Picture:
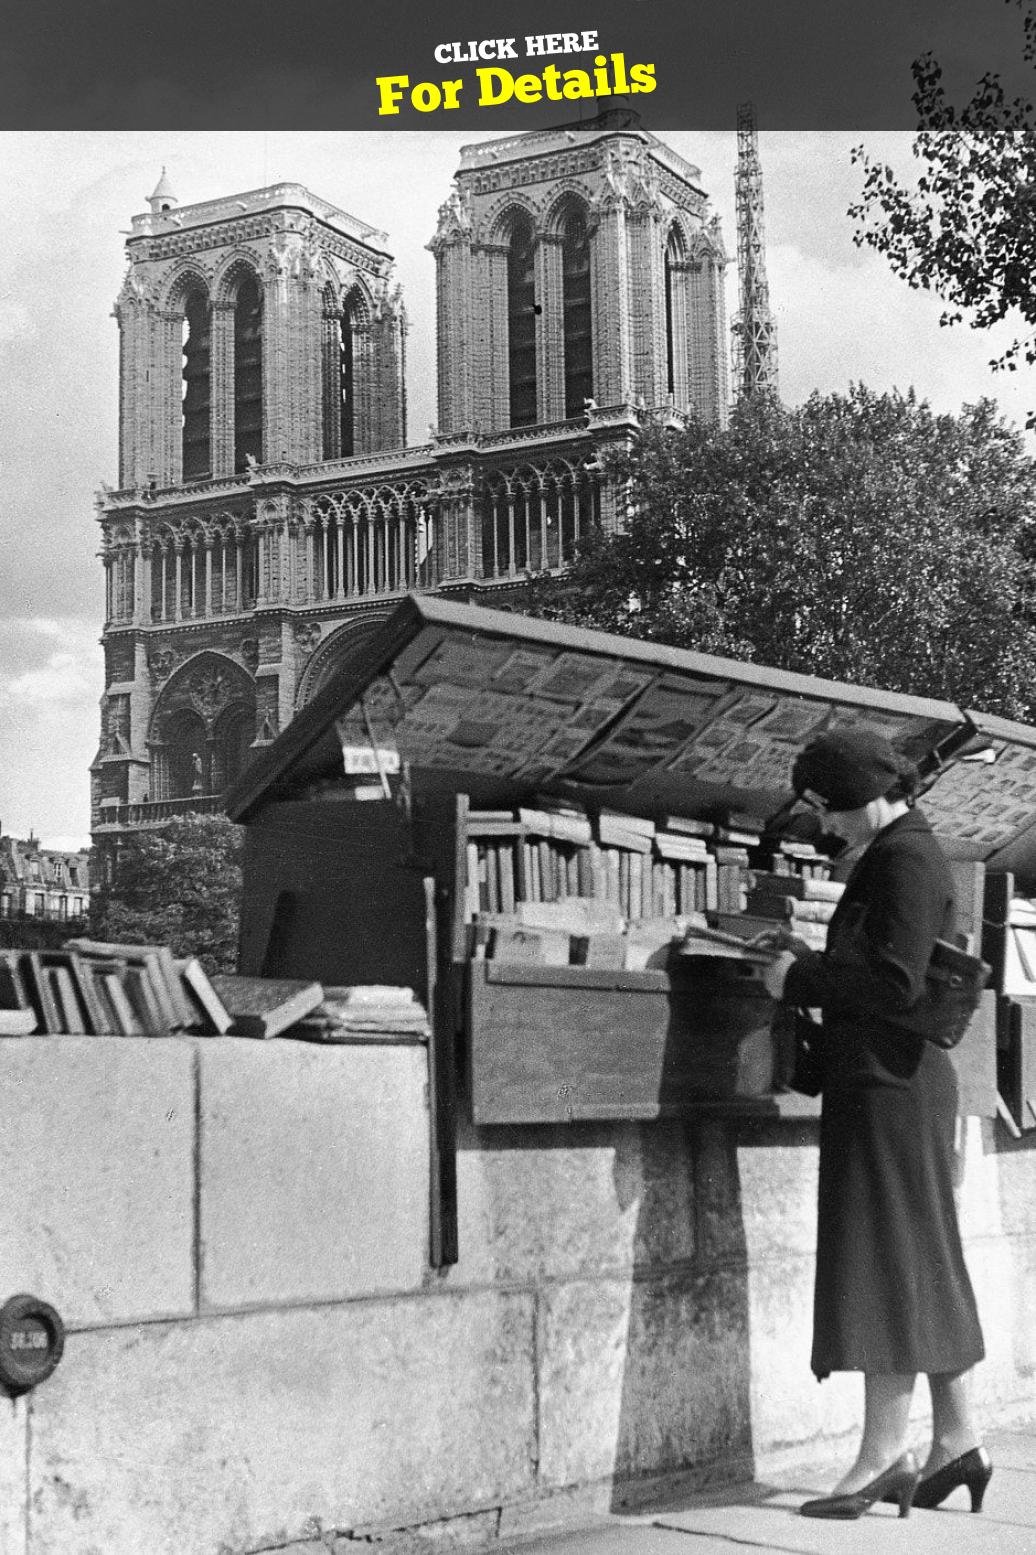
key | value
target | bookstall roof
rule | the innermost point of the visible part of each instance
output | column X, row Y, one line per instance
column 504, row 706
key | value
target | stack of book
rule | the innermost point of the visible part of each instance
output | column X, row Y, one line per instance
column 553, row 852
column 364, row 1014
column 265, row 1006
column 95, row 988
column 790, row 857
column 626, row 848
column 804, row 905
column 657, row 877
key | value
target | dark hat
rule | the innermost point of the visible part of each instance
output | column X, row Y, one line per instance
column 847, row 769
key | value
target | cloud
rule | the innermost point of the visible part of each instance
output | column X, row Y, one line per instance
column 51, row 676
column 61, row 679
column 840, row 322
column 47, row 662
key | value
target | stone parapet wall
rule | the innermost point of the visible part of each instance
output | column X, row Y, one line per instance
column 259, row 1357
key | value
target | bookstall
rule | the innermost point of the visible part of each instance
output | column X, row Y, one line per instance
column 565, row 842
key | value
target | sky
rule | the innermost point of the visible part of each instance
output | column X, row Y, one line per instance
column 65, row 203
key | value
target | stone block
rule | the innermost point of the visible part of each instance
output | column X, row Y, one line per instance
column 97, row 1151
column 556, row 1202
column 240, row 1432
column 14, row 1451
column 1003, row 1272
column 1003, row 1172
column 314, row 1171
column 983, row 1187
column 788, row 1406
column 721, row 1232
column 642, row 1377
column 778, row 1193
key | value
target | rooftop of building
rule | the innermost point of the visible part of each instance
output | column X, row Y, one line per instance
column 53, row 866
column 483, row 155
column 252, row 202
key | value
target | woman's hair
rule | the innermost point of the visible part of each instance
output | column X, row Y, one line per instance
column 847, row 768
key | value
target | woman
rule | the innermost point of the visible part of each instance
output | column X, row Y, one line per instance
column 892, row 1296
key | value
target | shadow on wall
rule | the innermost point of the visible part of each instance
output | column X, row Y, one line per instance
column 719, row 1304
column 718, row 1338
column 670, row 1262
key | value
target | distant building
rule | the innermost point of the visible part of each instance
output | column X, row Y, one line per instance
column 38, row 882
column 270, row 512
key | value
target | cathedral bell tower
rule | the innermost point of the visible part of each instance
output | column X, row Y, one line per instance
column 261, row 350
column 578, row 264
column 260, row 328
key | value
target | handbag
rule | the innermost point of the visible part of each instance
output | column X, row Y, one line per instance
column 799, row 1051
column 952, row 988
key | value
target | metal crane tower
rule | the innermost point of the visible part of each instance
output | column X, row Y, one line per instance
column 754, row 330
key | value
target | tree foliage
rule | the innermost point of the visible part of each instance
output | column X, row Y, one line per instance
column 967, row 229
column 178, row 885
column 858, row 537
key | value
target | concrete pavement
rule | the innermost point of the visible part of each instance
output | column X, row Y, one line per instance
column 760, row 1518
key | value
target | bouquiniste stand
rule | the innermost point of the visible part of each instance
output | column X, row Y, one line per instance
column 467, row 766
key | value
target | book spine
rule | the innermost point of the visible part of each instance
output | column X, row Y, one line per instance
column 506, row 875
column 647, row 893
column 64, row 995
column 809, row 912
column 521, row 869
column 492, row 878
column 598, row 873
column 611, row 862
column 124, row 1014
column 669, row 890
column 547, row 879
column 471, row 894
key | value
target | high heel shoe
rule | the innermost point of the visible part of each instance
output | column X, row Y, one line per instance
column 973, row 1469
column 896, row 1483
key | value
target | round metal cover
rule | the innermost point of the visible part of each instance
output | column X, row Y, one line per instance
column 32, row 1337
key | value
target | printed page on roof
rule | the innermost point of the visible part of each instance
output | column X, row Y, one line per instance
column 504, row 706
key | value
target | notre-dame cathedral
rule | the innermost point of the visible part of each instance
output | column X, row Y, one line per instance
column 270, row 510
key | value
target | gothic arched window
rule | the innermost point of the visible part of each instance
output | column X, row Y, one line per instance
column 345, row 366
column 575, row 289
column 521, row 322
column 248, row 374
column 197, row 457
column 674, row 312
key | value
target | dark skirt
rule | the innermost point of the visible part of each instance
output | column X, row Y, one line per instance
column 892, row 1290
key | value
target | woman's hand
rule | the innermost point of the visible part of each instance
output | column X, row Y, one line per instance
column 780, row 940
column 775, row 973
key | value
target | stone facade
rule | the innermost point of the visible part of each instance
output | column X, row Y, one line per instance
column 656, row 272
column 42, row 882
column 269, row 512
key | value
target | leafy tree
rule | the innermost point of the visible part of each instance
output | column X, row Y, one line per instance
column 178, row 885
column 967, row 230
column 859, row 537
